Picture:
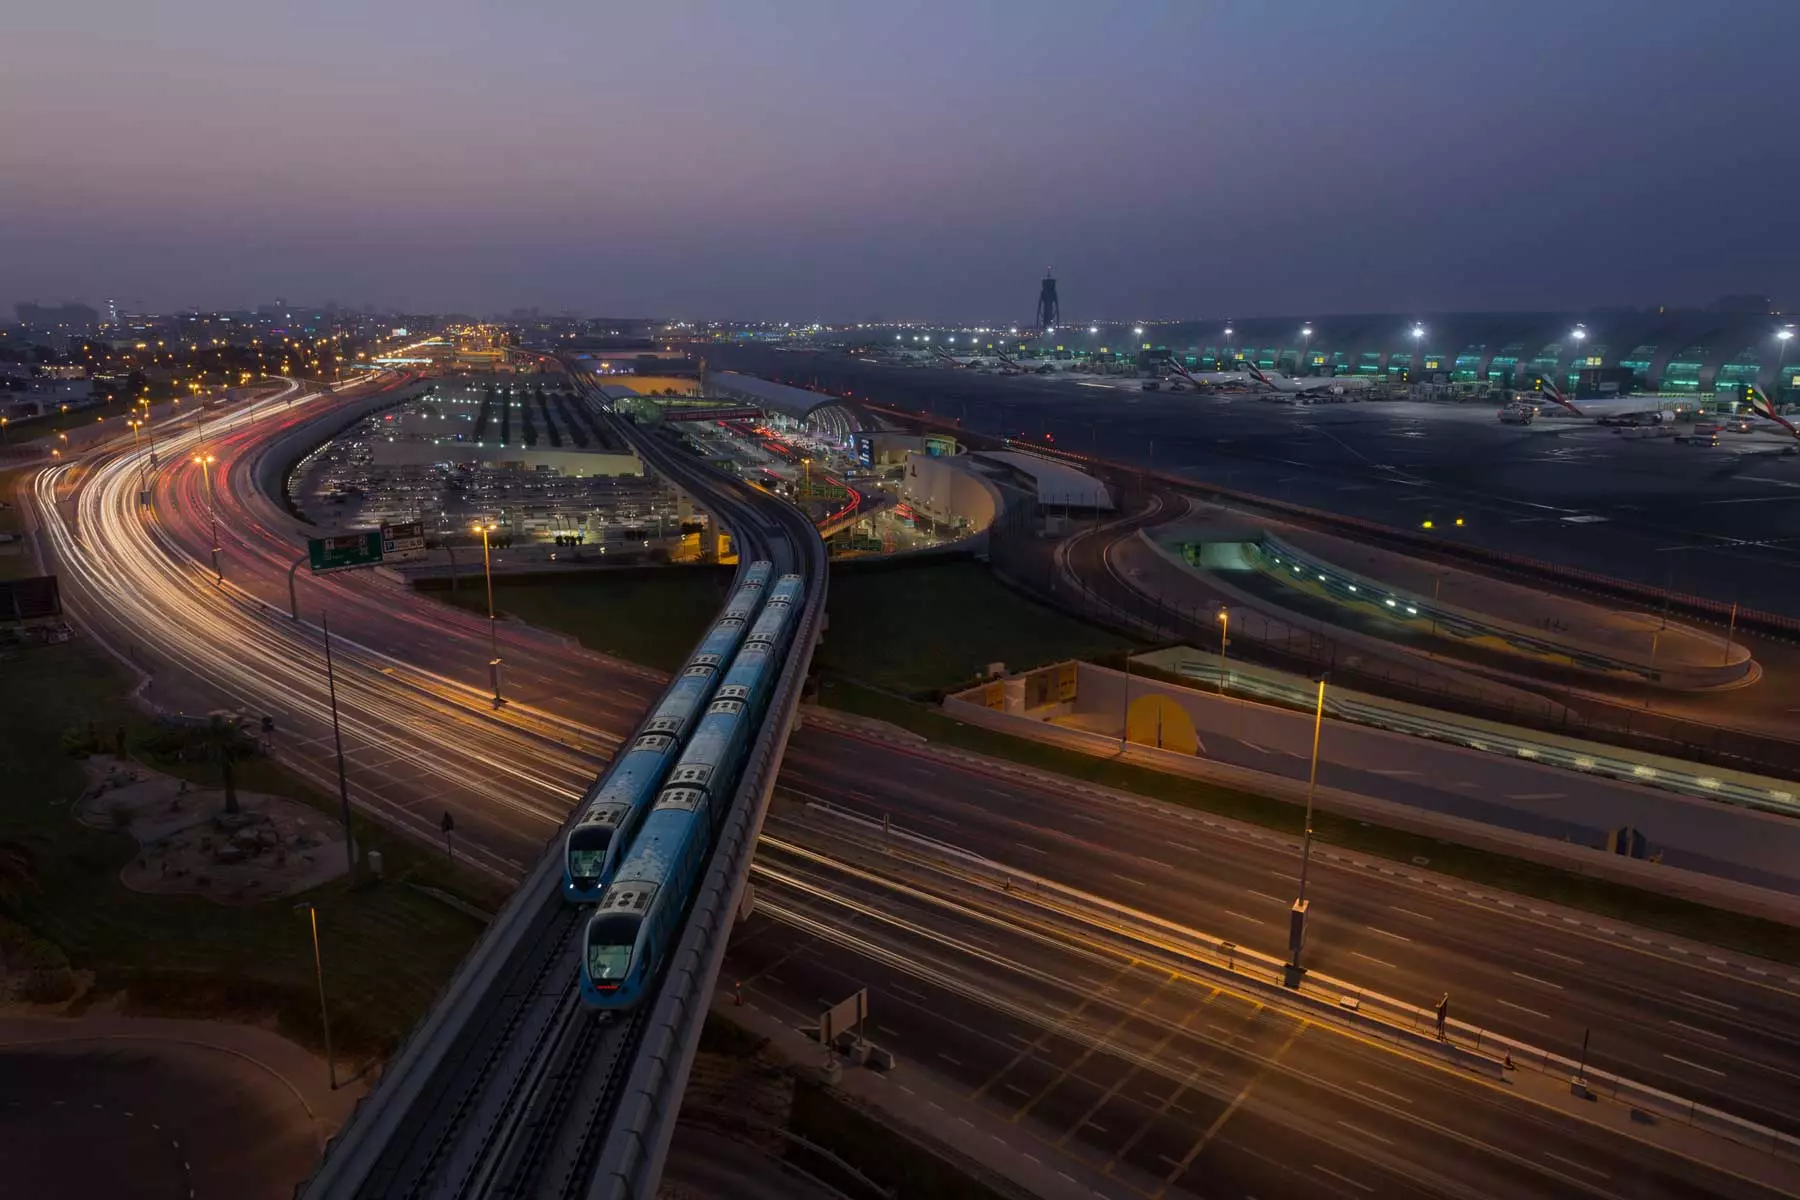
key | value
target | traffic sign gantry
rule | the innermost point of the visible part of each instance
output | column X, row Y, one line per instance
column 403, row 543
column 341, row 553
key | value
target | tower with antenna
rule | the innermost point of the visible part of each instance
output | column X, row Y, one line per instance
column 1049, row 312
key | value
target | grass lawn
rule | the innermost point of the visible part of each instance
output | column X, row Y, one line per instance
column 651, row 616
column 917, row 630
column 1684, row 918
column 922, row 630
column 387, row 949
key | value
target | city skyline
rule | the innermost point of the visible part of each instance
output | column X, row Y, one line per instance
column 720, row 162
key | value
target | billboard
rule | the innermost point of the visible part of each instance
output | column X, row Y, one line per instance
column 865, row 450
column 344, row 552
column 403, row 543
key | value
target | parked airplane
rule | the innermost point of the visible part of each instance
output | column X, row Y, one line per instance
column 1328, row 384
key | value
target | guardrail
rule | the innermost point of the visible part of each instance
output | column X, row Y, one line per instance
column 1586, row 759
column 1388, row 1018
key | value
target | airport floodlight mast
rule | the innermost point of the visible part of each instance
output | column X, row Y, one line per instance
column 1049, row 312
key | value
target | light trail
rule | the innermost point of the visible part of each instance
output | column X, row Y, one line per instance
column 132, row 564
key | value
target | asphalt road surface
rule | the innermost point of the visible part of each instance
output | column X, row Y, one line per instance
column 1155, row 1081
column 1658, row 1010
column 1722, row 521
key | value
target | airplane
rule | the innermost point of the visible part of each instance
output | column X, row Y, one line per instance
column 1325, row 384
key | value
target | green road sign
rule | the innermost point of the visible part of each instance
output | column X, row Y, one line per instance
column 341, row 553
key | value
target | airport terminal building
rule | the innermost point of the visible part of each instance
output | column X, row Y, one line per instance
column 1693, row 352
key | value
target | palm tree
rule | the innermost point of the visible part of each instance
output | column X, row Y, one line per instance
column 223, row 737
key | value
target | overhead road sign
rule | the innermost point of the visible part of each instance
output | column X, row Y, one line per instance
column 344, row 552
column 403, row 543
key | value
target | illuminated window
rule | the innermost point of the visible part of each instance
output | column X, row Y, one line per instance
column 1639, row 362
column 1369, row 363
column 1468, row 364
column 1683, row 371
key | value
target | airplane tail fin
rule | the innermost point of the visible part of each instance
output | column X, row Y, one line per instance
column 1547, row 386
column 1256, row 374
column 1759, row 404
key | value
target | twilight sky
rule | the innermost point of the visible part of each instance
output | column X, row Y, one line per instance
column 850, row 159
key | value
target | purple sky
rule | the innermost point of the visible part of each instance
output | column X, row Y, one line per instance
column 847, row 160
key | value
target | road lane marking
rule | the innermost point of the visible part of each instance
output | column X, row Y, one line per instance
column 1265, row 896
column 1394, row 771
column 1363, row 1083
column 1696, row 1029
column 1709, row 1000
column 1398, row 937
column 1535, row 796
column 1373, row 959
column 1569, row 1162
column 1240, row 916
column 1535, row 979
column 1343, row 1178
column 1521, row 1008
column 1361, row 1132
column 1568, row 958
column 1409, row 912
column 1684, row 1062
column 955, row 1062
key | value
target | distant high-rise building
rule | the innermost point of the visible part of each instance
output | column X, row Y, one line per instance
column 1049, row 311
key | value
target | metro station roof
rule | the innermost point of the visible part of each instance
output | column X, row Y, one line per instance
column 1056, row 482
column 797, row 404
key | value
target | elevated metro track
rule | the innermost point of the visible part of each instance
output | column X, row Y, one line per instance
column 510, row 1087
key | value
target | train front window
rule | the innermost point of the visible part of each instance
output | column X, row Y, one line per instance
column 587, row 854
column 607, row 964
column 609, row 942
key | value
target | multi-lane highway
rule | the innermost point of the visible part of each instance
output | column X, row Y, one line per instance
column 1722, row 522
column 1659, row 1010
column 1154, row 1080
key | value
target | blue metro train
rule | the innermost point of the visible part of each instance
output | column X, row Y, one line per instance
column 639, row 916
column 618, row 800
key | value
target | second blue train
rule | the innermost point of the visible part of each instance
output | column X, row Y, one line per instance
column 639, row 917
column 618, row 800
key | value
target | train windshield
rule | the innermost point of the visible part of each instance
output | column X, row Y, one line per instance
column 587, row 854
column 609, row 944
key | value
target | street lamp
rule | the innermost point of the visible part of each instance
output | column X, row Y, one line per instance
column 212, row 513
column 1137, row 331
column 1783, row 335
column 1224, row 640
column 487, row 564
column 1306, row 349
column 319, row 970
column 1297, row 918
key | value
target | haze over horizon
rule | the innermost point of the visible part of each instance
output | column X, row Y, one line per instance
column 794, row 161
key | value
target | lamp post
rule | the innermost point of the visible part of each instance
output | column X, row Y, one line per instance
column 324, row 1012
column 1297, row 918
column 212, row 513
column 1783, row 335
column 1418, row 337
column 1306, row 349
column 487, row 565
column 1224, row 640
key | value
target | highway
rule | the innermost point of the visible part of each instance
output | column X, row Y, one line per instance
column 420, row 740
column 1658, row 1009
column 1153, row 1079
column 1723, row 522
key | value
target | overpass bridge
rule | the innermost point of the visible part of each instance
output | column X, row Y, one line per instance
column 510, row 1086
